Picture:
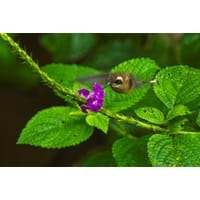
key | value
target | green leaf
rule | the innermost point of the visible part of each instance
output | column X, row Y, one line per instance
column 131, row 152
column 68, row 75
column 177, row 85
column 177, row 125
column 68, row 47
column 55, row 128
column 142, row 68
column 150, row 100
column 179, row 150
column 151, row 114
column 178, row 110
column 99, row 121
column 101, row 158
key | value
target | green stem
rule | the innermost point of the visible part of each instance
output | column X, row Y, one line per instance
column 185, row 133
column 67, row 92
column 133, row 121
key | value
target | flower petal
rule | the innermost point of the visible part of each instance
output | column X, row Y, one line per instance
column 94, row 98
column 83, row 108
column 83, row 92
column 94, row 104
column 98, row 90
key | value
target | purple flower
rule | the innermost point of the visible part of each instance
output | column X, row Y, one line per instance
column 94, row 103
column 98, row 90
column 83, row 108
column 84, row 92
column 94, row 99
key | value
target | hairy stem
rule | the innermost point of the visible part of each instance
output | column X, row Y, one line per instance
column 36, row 69
column 185, row 133
column 133, row 121
column 67, row 92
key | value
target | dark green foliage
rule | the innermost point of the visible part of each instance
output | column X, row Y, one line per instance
column 100, row 158
column 69, row 47
column 131, row 152
column 13, row 71
column 113, row 49
column 112, row 52
column 190, row 49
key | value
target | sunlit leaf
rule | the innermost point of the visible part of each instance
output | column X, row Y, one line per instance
column 177, row 85
column 99, row 121
column 55, row 128
column 178, row 110
column 151, row 114
column 178, row 150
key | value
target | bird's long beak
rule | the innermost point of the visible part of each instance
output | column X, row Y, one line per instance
column 107, row 84
column 153, row 81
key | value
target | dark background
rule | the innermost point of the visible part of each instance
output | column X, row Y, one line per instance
column 22, row 94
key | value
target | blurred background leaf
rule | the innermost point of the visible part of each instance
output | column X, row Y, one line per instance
column 115, row 48
column 180, row 150
column 190, row 49
column 98, row 158
column 12, row 71
column 131, row 151
column 103, row 51
column 68, row 48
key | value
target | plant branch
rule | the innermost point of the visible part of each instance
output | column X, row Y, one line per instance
column 133, row 121
column 185, row 133
column 67, row 92
column 36, row 69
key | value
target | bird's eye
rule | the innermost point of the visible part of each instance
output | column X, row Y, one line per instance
column 118, row 82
